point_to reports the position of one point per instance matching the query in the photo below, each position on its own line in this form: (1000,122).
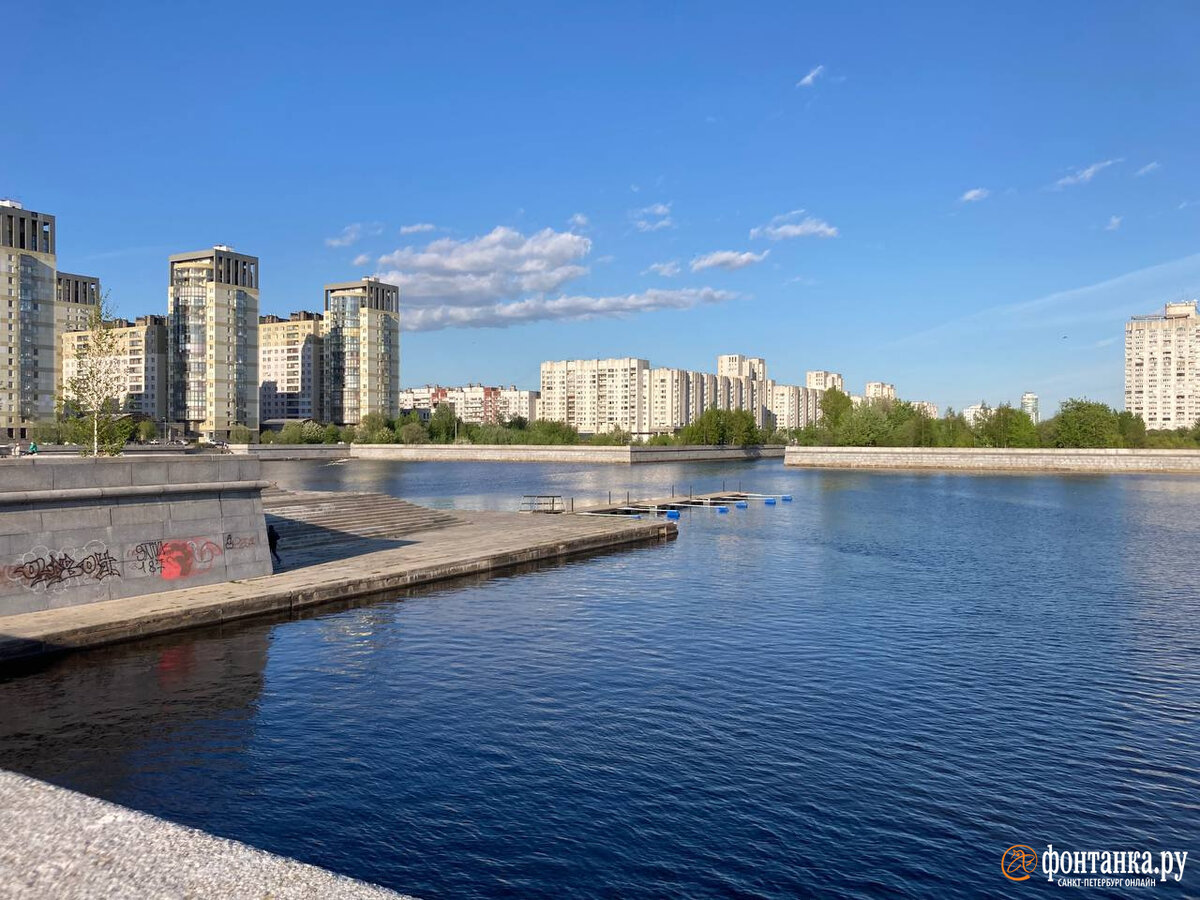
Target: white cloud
(1114,222)
(654,217)
(727,259)
(791,225)
(579,220)
(417,228)
(667,269)
(1082,176)
(502,315)
(362,259)
(1148,168)
(974,195)
(499,265)
(353,232)
(811,78)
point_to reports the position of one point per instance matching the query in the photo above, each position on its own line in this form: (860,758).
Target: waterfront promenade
(343,564)
(63,844)
(989,460)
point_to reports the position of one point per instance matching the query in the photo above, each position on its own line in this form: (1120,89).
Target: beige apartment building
(290,363)
(1029,404)
(1162,378)
(142,352)
(475,404)
(880,390)
(212,304)
(734,365)
(361,330)
(821,380)
(595,395)
(37,304)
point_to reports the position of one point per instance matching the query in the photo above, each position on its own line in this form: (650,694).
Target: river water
(871,691)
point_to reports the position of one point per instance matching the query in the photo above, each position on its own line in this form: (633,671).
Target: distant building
(1029,405)
(972,413)
(734,365)
(361,329)
(1162,378)
(475,404)
(142,349)
(880,390)
(290,364)
(595,395)
(513,402)
(924,406)
(820,380)
(212,311)
(37,305)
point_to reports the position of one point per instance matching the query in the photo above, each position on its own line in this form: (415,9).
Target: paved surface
(475,543)
(61,844)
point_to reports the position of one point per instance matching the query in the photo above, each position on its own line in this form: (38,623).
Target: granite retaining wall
(508,453)
(78,530)
(981,459)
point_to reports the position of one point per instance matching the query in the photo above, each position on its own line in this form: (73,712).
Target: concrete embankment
(374,565)
(980,459)
(62,844)
(624,455)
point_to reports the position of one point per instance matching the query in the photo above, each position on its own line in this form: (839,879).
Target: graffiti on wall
(45,569)
(240,542)
(175,558)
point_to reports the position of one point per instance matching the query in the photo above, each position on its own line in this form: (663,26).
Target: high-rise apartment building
(1029,404)
(595,395)
(1162,378)
(880,390)
(734,365)
(37,304)
(512,403)
(212,304)
(820,380)
(667,407)
(362,350)
(141,347)
(290,366)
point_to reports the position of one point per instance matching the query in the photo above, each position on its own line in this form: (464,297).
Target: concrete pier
(62,844)
(347,555)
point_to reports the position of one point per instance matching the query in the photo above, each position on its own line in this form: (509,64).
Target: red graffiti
(183,559)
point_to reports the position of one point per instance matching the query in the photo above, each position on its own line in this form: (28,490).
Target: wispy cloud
(417,228)
(1114,222)
(1084,175)
(1105,342)
(727,259)
(792,225)
(362,259)
(654,217)
(579,220)
(1148,168)
(667,269)
(502,315)
(974,195)
(811,78)
(353,232)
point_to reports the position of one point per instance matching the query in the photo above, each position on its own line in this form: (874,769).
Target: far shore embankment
(990,460)
(565,453)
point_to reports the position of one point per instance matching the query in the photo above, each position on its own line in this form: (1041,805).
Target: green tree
(312,433)
(93,393)
(47,433)
(1132,429)
(1086,423)
(413,433)
(375,429)
(330,434)
(1006,427)
(291,433)
(835,405)
(864,425)
(240,434)
(146,430)
(443,424)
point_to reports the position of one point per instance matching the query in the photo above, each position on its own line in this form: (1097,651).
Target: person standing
(273,543)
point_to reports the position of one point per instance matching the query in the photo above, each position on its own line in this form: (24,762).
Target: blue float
(787,498)
(742,504)
(722,509)
(770,501)
(672,514)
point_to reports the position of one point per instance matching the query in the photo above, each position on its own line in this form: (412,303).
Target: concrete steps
(316,527)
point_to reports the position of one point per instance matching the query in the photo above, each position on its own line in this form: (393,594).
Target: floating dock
(669,507)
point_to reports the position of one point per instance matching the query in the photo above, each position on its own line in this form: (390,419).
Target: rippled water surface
(868,692)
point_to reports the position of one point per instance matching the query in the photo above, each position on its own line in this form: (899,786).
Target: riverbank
(568,453)
(59,843)
(981,459)
(470,543)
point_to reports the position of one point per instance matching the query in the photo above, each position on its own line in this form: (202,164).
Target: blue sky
(965,201)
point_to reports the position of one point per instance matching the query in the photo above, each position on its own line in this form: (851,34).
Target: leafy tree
(375,429)
(1132,429)
(1086,423)
(615,438)
(330,434)
(312,433)
(864,425)
(146,430)
(835,405)
(47,433)
(291,433)
(517,423)
(240,434)
(267,437)
(413,433)
(1006,427)
(443,424)
(93,393)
